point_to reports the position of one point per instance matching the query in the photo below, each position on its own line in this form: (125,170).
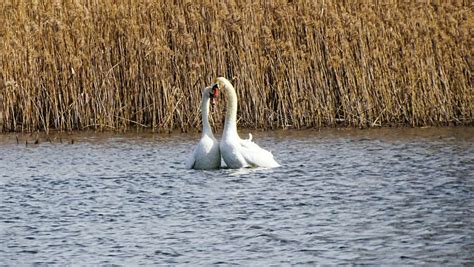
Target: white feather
(236,152)
(206,155)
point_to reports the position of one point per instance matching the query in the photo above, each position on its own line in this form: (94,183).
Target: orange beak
(214,94)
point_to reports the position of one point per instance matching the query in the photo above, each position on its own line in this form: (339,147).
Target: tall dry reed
(78,64)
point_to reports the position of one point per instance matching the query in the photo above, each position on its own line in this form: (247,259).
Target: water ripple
(385,196)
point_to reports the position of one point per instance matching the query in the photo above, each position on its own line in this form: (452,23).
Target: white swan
(236,152)
(206,154)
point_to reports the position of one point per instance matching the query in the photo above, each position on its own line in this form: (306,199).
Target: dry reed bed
(118,64)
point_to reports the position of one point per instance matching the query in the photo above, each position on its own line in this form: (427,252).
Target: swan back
(257,156)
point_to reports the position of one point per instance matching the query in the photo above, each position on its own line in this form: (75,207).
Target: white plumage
(206,154)
(236,152)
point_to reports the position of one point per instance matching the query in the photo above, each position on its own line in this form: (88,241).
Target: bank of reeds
(107,64)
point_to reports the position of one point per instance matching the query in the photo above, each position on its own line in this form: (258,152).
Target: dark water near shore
(381,196)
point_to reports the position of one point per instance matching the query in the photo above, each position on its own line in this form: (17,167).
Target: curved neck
(231,113)
(206,127)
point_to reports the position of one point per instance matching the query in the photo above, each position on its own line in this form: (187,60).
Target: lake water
(379,196)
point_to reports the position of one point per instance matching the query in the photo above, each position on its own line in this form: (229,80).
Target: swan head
(212,92)
(222,83)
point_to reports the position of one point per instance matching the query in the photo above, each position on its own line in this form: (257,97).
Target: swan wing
(192,159)
(257,156)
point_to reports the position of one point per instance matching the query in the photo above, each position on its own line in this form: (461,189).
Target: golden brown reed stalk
(118,64)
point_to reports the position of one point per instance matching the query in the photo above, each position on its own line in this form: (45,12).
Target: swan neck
(206,127)
(230,126)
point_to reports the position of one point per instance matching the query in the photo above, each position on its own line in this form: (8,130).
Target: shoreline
(243,132)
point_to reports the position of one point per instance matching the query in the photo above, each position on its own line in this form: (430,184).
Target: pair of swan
(236,152)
